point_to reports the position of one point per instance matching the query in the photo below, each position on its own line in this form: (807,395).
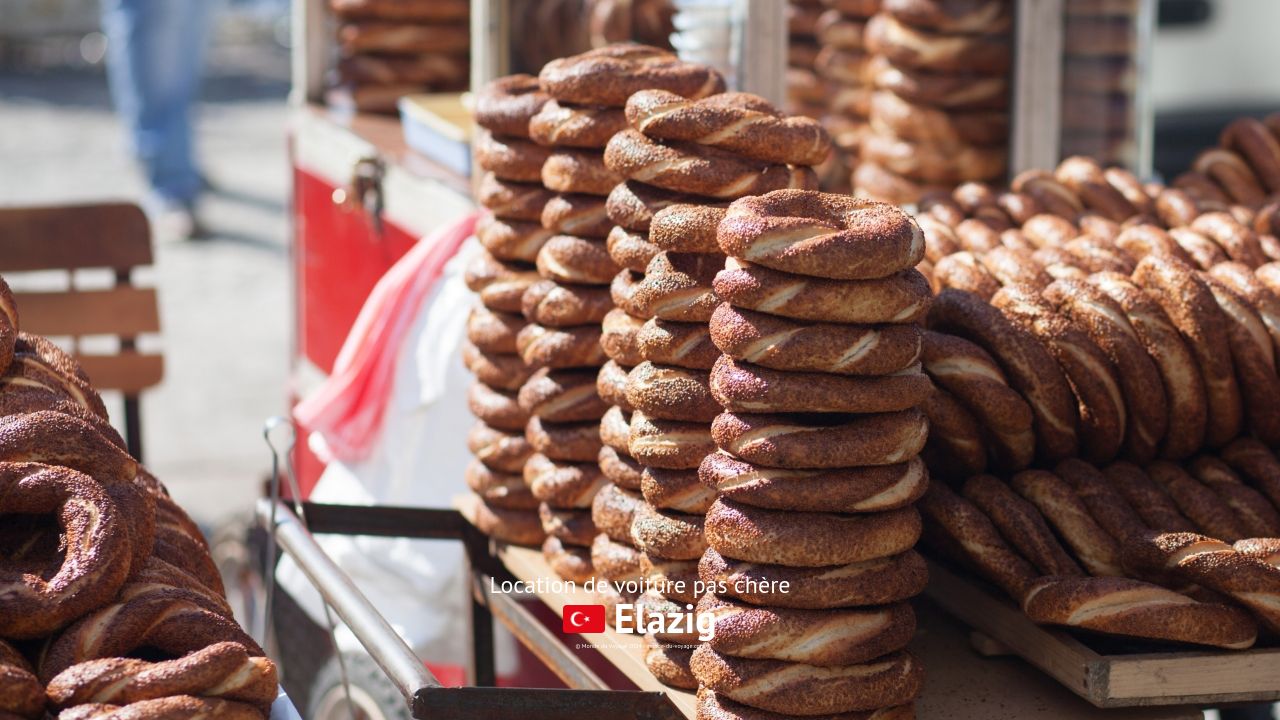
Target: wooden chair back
(115,236)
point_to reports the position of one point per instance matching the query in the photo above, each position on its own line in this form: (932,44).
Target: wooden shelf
(960,685)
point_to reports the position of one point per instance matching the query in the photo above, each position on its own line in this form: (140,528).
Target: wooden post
(1037,85)
(312,40)
(761,49)
(490,41)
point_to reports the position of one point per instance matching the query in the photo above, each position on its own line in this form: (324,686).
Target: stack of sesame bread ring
(818,468)
(100,568)
(1100,80)
(940,112)
(511,234)
(844,65)
(684,160)
(569,309)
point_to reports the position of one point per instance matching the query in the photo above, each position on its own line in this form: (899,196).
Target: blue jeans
(155,54)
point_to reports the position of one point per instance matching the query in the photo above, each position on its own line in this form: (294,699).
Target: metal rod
(531,633)
(384,645)
(384,521)
(542,704)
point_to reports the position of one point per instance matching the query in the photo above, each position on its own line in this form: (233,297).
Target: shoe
(173,221)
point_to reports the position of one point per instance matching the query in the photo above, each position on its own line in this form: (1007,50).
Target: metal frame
(425,696)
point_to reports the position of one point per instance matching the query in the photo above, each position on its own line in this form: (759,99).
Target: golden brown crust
(676,490)
(679,344)
(1106,504)
(1236,239)
(927,163)
(677,286)
(568,527)
(568,561)
(925,49)
(698,169)
(1260,298)
(549,303)
(839,348)
(946,90)
(496,408)
(509,158)
(612,510)
(872,582)
(1196,501)
(671,393)
(565,395)
(956,446)
(609,75)
(669,444)
(502,451)
(558,125)
(499,489)
(669,663)
(892,115)
(1021,524)
(621,469)
(580,215)
(379,36)
(822,441)
(784,687)
(22,695)
(845,490)
(753,534)
(511,240)
(576,260)
(964,271)
(505,106)
(687,228)
(619,339)
(617,562)
(500,285)
(512,200)
(615,431)
(1093,546)
(1260,147)
(744,388)
(174,706)
(962,527)
(1253,357)
(1257,464)
(563,485)
(899,297)
(519,527)
(494,331)
(668,534)
(632,204)
(397,10)
(569,442)
(1256,516)
(629,250)
(572,170)
(876,182)
(539,346)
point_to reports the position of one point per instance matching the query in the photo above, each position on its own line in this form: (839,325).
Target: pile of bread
(392,48)
(939,115)
(1100,78)
(99,567)
(548,29)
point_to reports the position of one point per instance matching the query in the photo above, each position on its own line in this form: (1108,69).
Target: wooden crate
(1107,674)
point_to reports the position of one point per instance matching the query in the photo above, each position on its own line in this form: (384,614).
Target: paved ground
(224,301)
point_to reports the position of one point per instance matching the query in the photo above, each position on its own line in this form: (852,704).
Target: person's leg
(155,54)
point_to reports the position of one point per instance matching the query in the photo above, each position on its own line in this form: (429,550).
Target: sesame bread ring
(620,338)
(502,451)
(494,331)
(674,579)
(1139,241)
(171,706)
(824,441)
(974,378)
(1202,188)
(1103,415)
(978,236)
(24,695)
(782,344)
(503,372)
(580,215)
(1031,370)
(1021,524)
(558,125)
(876,182)
(939,239)
(1266,549)
(1179,371)
(575,260)
(1060,264)
(500,285)
(1085,177)
(800,689)
(652,601)
(611,74)
(1176,207)
(563,485)
(1257,464)
(1267,222)
(569,442)
(871,582)
(671,393)
(623,286)
(511,240)
(1057,501)
(562,395)
(925,49)
(629,250)
(376,36)
(669,663)
(1094,255)
(569,527)
(1047,230)
(818,637)
(900,297)
(1105,322)
(509,158)
(835,29)
(1241,279)
(957,528)
(1254,360)
(928,163)
(964,271)
(698,169)
(621,469)
(1101,228)
(745,388)
(1252,140)
(615,432)
(1053,195)
(632,204)
(612,511)
(36,603)
(512,200)
(1128,185)
(1232,174)
(894,115)
(1236,240)
(842,67)
(667,534)
(496,408)
(1015,267)
(519,527)
(712,706)
(988,17)
(549,303)
(740,123)
(568,561)
(669,444)
(946,90)
(679,344)
(569,170)
(1147,498)
(757,535)
(498,489)
(676,490)
(677,286)
(578,346)
(1105,503)
(1191,307)
(506,105)
(1257,517)
(956,447)
(612,560)
(844,490)
(821,235)
(687,228)
(1269,275)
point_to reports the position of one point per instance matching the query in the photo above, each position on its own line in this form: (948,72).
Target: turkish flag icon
(583,619)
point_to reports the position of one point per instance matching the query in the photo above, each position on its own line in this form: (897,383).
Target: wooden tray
(1105,673)
(960,684)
